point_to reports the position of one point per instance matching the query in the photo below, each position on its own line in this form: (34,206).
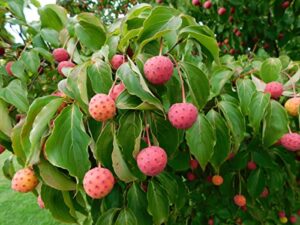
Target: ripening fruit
(2,149)
(232,51)
(226,41)
(274,88)
(24,180)
(293,219)
(182,115)
(8,68)
(211,221)
(40,202)
(291,141)
(158,69)
(281,214)
(159,1)
(238,33)
(283,219)
(207,5)
(292,106)
(222,11)
(239,200)
(264,193)
(152,160)
(116,91)
(60,54)
(251,165)
(285,4)
(102,107)
(98,182)
(64,64)
(190,176)
(117,61)
(196,2)
(217,180)
(194,164)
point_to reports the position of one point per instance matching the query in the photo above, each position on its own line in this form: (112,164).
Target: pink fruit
(293,219)
(8,68)
(285,4)
(251,165)
(196,2)
(2,149)
(102,107)
(291,141)
(274,88)
(152,160)
(281,214)
(207,5)
(158,69)
(183,115)
(194,164)
(24,180)
(98,182)
(117,61)
(60,54)
(40,202)
(190,176)
(211,221)
(64,64)
(222,11)
(116,91)
(264,193)
(238,33)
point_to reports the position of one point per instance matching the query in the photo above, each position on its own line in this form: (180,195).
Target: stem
(174,46)
(161,46)
(240,184)
(25,47)
(147,132)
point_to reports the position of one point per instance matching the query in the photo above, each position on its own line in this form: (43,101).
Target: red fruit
(158,70)
(117,61)
(264,193)
(222,11)
(281,214)
(232,10)
(8,68)
(190,176)
(298,212)
(285,4)
(232,51)
(64,64)
(219,44)
(209,179)
(159,1)
(2,51)
(274,88)
(230,19)
(196,2)
(24,180)
(211,221)
(217,180)
(244,208)
(293,219)
(238,33)
(152,160)
(60,54)
(40,202)
(194,164)
(231,156)
(251,165)
(102,107)
(116,91)
(182,115)
(291,141)
(266,46)
(98,182)
(2,149)
(226,41)
(207,5)
(280,36)
(239,200)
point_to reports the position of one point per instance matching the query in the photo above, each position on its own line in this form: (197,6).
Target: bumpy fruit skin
(60,54)
(221,11)
(24,180)
(217,180)
(292,106)
(98,182)
(291,141)
(152,160)
(196,2)
(240,200)
(158,69)
(182,115)
(2,149)
(207,5)
(274,88)
(116,91)
(102,107)
(293,219)
(194,164)
(117,61)
(40,202)
(251,165)
(64,64)
(8,68)
(190,176)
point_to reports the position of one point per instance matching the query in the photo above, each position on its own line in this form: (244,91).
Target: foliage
(237,121)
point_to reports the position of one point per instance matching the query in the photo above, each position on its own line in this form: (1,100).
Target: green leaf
(54,201)
(198,84)
(100,75)
(17,8)
(88,27)
(51,36)
(201,140)
(137,202)
(235,121)
(107,218)
(126,217)
(245,89)
(169,183)
(275,123)
(53,16)
(54,178)
(44,54)
(16,94)
(6,123)
(270,69)
(218,79)
(31,60)
(70,152)
(8,168)
(256,183)
(158,203)
(127,101)
(16,141)
(222,147)
(18,69)
(257,109)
